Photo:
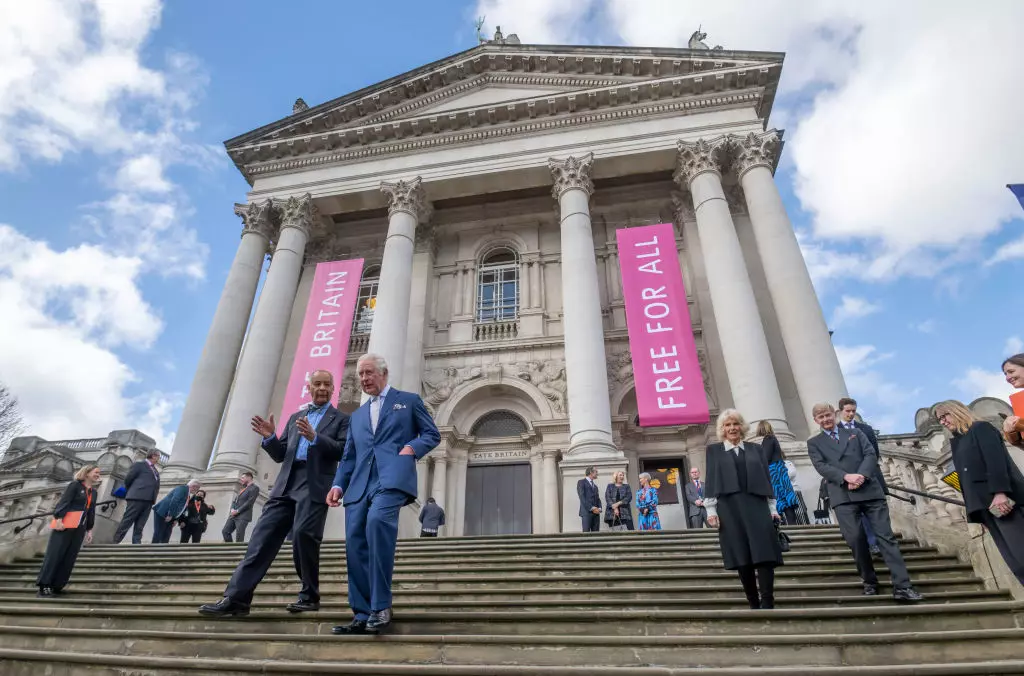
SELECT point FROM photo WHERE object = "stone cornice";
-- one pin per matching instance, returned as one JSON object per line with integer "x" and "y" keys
{"x": 407, "y": 196}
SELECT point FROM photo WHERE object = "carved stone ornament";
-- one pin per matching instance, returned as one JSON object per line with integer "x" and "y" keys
{"x": 572, "y": 173}
{"x": 682, "y": 209}
{"x": 439, "y": 384}
{"x": 620, "y": 369}
{"x": 702, "y": 359}
{"x": 297, "y": 212}
{"x": 548, "y": 377}
{"x": 327, "y": 248}
{"x": 426, "y": 241}
{"x": 257, "y": 217}
{"x": 349, "y": 390}
{"x": 299, "y": 106}
{"x": 698, "y": 157}
{"x": 407, "y": 196}
{"x": 755, "y": 150}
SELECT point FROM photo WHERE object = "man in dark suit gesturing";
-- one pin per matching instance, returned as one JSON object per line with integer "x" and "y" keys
{"x": 309, "y": 452}
{"x": 376, "y": 478}
{"x": 847, "y": 461}
{"x": 590, "y": 501}
{"x": 142, "y": 485}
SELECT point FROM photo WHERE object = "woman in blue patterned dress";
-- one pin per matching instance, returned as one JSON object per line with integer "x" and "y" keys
{"x": 647, "y": 504}
{"x": 785, "y": 497}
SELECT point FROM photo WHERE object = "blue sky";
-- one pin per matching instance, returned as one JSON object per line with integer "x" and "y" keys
{"x": 116, "y": 227}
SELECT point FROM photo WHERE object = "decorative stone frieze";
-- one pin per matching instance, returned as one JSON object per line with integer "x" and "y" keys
{"x": 426, "y": 239}
{"x": 439, "y": 384}
{"x": 700, "y": 156}
{"x": 407, "y": 196}
{"x": 257, "y": 217}
{"x": 572, "y": 173}
{"x": 297, "y": 212}
{"x": 682, "y": 210}
{"x": 548, "y": 376}
{"x": 755, "y": 150}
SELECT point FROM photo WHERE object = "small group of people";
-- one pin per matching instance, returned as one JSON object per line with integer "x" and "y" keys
{"x": 186, "y": 507}
{"x": 618, "y": 501}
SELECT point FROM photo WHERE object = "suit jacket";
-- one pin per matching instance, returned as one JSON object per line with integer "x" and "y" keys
{"x": 173, "y": 504}
{"x": 869, "y": 432}
{"x": 403, "y": 421}
{"x": 589, "y": 496}
{"x": 73, "y": 499}
{"x": 985, "y": 468}
{"x": 321, "y": 458}
{"x": 852, "y": 454}
{"x": 722, "y": 477}
{"x": 245, "y": 499}
{"x": 142, "y": 482}
{"x": 431, "y": 516}
{"x": 691, "y": 495}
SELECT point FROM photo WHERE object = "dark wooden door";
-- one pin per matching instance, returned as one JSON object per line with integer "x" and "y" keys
{"x": 498, "y": 500}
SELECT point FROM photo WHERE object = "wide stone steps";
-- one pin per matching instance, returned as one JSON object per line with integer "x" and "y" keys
{"x": 604, "y": 604}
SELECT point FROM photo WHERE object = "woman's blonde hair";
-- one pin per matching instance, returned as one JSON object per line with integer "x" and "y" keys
{"x": 764, "y": 429}
{"x": 961, "y": 415}
{"x": 84, "y": 472}
{"x": 616, "y": 474}
{"x": 727, "y": 415}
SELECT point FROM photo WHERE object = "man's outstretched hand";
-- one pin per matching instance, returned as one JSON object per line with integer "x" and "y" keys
{"x": 334, "y": 497}
{"x": 264, "y": 428}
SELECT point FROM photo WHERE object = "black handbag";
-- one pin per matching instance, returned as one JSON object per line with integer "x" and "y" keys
{"x": 785, "y": 542}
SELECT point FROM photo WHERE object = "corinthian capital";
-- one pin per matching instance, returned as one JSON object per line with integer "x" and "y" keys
{"x": 297, "y": 212}
{"x": 698, "y": 157}
{"x": 407, "y": 196}
{"x": 572, "y": 173}
{"x": 755, "y": 150}
{"x": 257, "y": 217}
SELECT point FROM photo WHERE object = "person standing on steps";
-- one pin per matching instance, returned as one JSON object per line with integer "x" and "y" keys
{"x": 142, "y": 485}
{"x": 241, "y": 509}
{"x": 170, "y": 509}
{"x": 308, "y": 451}
{"x": 590, "y": 501}
{"x": 694, "y": 491}
{"x": 193, "y": 521}
{"x": 741, "y": 506}
{"x": 847, "y": 461}
{"x": 431, "y": 519}
{"x": 785, "y": 497}
{"x": 376, "y": 478}
{"x": 647, "y": 504}
{"x": 66, "y": 540}
{"x": 617, "y": 499}
{"x": 848, "y": 418}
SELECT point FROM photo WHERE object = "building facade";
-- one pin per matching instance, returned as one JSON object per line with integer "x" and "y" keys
{"x": 483, "y": 192}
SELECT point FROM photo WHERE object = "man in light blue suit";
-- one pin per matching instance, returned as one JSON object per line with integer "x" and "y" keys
{"x": 376, "y": 478}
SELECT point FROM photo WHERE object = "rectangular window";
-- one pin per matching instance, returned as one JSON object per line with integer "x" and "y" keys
{"x": 365, "y": 305}
{"x": 498, "y": 293}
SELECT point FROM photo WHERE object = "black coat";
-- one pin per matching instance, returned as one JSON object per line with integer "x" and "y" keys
{"x": 985, "y": 468}
{"x": 321, "y": 459}
{"x": 142, "y": 482}
{"x": 195, "y": 514}
{"x": 73, "y": 500}
{"x": 589, "y": 496}
{"x": 722, "y": 477}
{"x": 613, "y": 494}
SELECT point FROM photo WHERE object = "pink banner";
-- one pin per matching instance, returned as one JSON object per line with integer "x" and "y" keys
{"x": 326, "y": 329}
{"x": 666, "y": 373}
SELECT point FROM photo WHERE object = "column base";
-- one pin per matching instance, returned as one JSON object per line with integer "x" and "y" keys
{"x": 572, "y": 470}
{"x": 179, "y": 473}
{"x": 594, "y": 449}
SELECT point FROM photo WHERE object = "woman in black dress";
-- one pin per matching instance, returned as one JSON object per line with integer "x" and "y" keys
{"x": 617, "y": 498}
{"x": 65, "y": 543}
{"x": 193, "y": 521}
{"x": 741, "y": 506}
{"x": 990, "y": 480}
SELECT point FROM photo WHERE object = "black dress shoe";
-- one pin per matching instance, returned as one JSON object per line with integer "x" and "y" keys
{"x": 303, "y": 606}
{"x": 45, "y": 593}
{"x": 907, "y": 595}
{"x": 352, "y": 628}
{"x": 767, "y": 602}
{"x": 379, "y": 621}
{"x": 225, "y": 608}
{"x": 870, "y": 589}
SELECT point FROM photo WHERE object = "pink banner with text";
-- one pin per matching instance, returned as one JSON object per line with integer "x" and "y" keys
{"x": 666, "y": 372}
{"x": 323, "y": 343}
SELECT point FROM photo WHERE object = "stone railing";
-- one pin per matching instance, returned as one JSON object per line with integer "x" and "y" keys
{"x": 486, "y": 331}
{"x": 82, "y": 444}
{"x": 358, "y": 344}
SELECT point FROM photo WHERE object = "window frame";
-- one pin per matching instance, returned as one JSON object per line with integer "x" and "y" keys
{"x": 498, "y": 308}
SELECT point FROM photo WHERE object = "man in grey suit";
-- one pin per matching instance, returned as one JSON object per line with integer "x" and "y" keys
{"x": 241, "y": 509}
{"x": 694, "y": 490}
{"x": 431, "y": 519}
{"x": 142, "y": 485}
{"x": 847, "y": 461}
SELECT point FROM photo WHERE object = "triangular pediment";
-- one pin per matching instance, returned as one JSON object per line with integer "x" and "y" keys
{"x": 505, "y": 85}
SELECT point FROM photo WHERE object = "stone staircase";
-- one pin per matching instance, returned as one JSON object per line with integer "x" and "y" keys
{"x": 611, "y": 603}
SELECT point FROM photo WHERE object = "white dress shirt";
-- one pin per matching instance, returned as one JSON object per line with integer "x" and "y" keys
{"x": 375, "y": 405}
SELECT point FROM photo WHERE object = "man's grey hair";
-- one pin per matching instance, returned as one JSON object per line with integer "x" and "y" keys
{"x": 312, "y": 374}
{"x": 645, "y": 475}
{"x": 379, "y": 362}
{"x": 193, "y": 482}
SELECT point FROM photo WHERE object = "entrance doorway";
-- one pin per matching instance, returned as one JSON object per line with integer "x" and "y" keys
{"x": 498, "y": 500}
{"x": 669, "y": 475}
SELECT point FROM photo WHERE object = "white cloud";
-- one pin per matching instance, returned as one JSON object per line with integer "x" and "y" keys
{"x": 927, "y": 326}
{"x": 1008, "y": 252}
{"x": 853, "y": 308}
{"x": 65, "y": 313}
{"x": 977, "y": 382}
{"x": 1014, "y": 345}
{"x": 879, "y": 398}
{"x": 143, "y": 173}
{"x": 536, "y": 22}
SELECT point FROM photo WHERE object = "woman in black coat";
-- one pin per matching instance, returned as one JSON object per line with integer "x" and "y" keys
{"x": 617, "y": 498}
{"x": 741, "y": 506}
{"x": 193, "y": 520}
{"x": 65, "y": 543}
{"x": 992, "y": 484}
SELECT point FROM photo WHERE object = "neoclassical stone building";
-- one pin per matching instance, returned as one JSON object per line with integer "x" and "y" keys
{"x": 484, "y": 191}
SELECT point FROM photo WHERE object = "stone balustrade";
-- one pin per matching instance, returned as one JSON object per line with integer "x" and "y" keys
{"x": 487, "y": 331}
{"x": 358, "y": 344}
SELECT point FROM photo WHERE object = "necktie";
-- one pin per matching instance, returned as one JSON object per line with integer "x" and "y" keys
{"x": 374, "y": 413}
{"x": 699, "y": 494}
{"x": 834, "y": 433}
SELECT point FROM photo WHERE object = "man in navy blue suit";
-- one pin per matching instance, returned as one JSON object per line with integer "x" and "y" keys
{"x": 376, "y": 478}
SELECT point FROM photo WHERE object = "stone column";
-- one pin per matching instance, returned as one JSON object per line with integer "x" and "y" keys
{"x": 550, "y": 490}
{"x": 456, "y": 292}
{"x": 590, "y": 421}
{"x": 535, "y": 281}
{"x": 538, "y": 503}
{"x": 524, "y": 285}
{"x": 422, "y": 476}
{"x": 204, "y": 408}
{"x": 457, "y": 517}
{"x": 748, "y": 363}
{"x": 468, "y": 295}
{"x": 440, "y": 483}
{"x": 801, "y": 321}
{"x": 391, "y": 316}
{"x": 422, "y": 276}
{"x": 257, "y": 368}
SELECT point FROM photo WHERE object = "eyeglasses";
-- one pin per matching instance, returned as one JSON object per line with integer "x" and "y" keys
{"x": 945, "y": 416}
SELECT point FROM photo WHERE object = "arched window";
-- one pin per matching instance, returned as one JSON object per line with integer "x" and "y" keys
{"x": 498, "y": 424}
{"x": 498, "y": 286}
{"x": 367, "y": 300}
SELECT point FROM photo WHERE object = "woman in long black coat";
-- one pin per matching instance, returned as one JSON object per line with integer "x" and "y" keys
{"x": 741, "y": 506}
{"x": 65, "y": 543}
{"x": 992, "y": 484}
{"x": 617, "y": 498}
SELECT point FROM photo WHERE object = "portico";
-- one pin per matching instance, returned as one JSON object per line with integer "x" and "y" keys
{"x": 483, "y": 192}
